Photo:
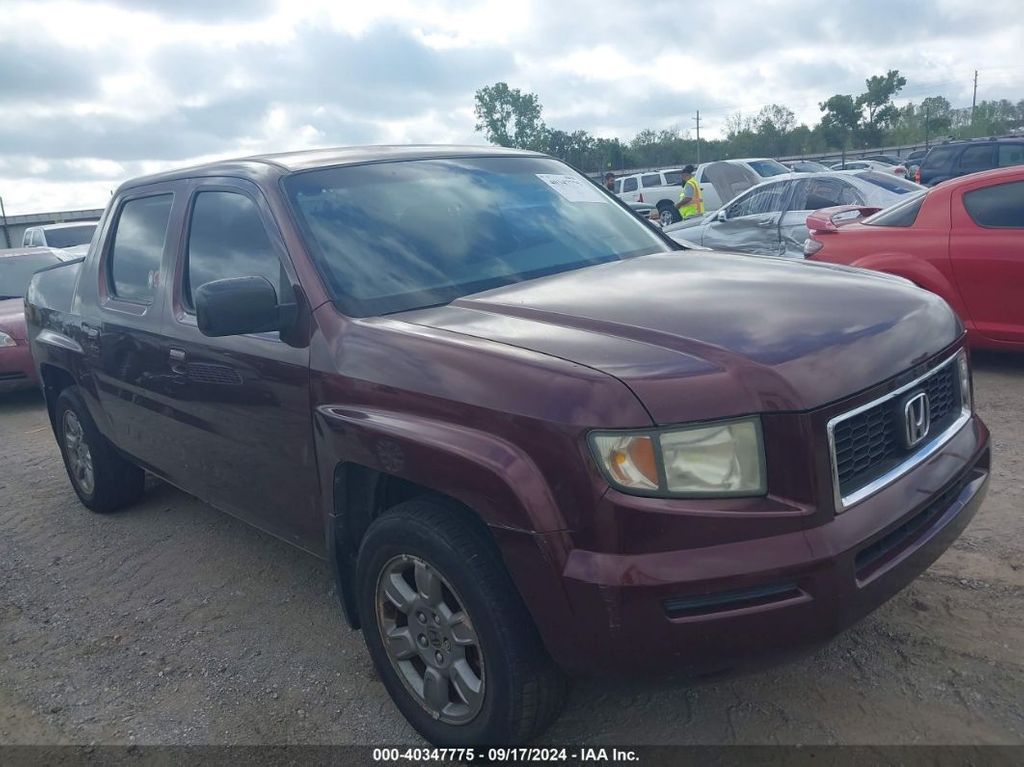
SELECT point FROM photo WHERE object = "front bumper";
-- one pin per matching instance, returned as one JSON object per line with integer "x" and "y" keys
{"x": 740, "y": 601}
{"x": 17, "y": 370}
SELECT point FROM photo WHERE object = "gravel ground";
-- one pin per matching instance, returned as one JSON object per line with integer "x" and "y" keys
{"x": 172, "y": 623}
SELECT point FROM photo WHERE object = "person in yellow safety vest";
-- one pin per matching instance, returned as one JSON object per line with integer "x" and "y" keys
{"x": 691, "y": 201}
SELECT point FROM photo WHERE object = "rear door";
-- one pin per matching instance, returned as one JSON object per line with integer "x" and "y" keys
{"x": 977, "y": 158}
{"x": 986, "y": 246}
{"x": 807, "y": 195}
{"x": 121, "y": 333}
{"x": 243, "y": 435}
{"x": 751, "y": 223}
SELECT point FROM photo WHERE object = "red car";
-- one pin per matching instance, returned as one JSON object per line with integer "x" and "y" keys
{"x": 962, "y": 239}
{"x": 16, "y": 269}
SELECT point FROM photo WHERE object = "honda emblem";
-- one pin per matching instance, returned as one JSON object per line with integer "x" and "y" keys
{"x": 917, "y": 419}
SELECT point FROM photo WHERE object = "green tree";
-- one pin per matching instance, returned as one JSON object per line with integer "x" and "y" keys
{"x": 878, "y": 97}
{"x": 509, "y": 117}
{"x": 840, "y": 120}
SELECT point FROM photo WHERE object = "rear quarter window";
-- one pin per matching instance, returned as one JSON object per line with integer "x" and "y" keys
{"x": 902, "y": 214}
{"x": 998, "y": 207}
{"x": 1010, "y": 154}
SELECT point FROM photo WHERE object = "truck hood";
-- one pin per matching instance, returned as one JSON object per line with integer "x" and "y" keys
{"x": 12, "y": 317}
{"x": 701, "y": 335}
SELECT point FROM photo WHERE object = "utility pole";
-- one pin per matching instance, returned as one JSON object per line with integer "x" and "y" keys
{"x": 974, "y": 99}
{"x": 3, "y": 215}
{"x": 697, "y": 120}
{"x": 927, "y": 115}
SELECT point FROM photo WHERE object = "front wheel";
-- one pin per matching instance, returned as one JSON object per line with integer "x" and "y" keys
{"x": 448, "y": 633}
{"x": 668, "y": 214}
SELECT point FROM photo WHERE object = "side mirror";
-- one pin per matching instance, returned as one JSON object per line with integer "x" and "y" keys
{"x": 238, "y": 305}
{"x": 720, "y": 215}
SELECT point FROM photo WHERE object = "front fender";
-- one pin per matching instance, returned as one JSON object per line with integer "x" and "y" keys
{"x": 488, "y": 474}
{"x": 484, "y": 472}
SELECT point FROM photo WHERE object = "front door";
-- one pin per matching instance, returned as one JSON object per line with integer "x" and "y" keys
{"x": 750, "y": 223}
{"x": 986, "y": 248}
{"x": 244, "y": 433}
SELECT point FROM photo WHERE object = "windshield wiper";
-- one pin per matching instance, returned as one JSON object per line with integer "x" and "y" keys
{"x": 4, "y": 298}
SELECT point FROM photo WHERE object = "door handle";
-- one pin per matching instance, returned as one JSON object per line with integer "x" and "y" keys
{"x": 177, "y": 358}
{"x": 766, "y": 222}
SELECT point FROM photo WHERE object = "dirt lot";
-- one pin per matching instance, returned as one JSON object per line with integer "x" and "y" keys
{"x": 174, "y": 623}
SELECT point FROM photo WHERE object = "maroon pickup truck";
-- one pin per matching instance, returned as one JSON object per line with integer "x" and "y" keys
{"x": 529, "y": 433}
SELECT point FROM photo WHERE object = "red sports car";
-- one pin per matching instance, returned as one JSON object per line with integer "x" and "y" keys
{"x": 962, "y": 239}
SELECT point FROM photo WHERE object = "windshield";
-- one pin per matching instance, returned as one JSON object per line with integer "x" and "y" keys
{"x": 389, "y": 237}
{"x": 69, "y": 236}
{"x": 766, "y": 168}
{"x": 17, "y": 271}
{"x": 889, "y": 182}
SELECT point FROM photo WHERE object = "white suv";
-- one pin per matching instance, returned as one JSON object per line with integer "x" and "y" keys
{"x": 718, "y": 181}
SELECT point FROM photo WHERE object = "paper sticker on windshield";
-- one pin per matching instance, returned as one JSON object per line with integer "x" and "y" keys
{"x": 573, "y": 189}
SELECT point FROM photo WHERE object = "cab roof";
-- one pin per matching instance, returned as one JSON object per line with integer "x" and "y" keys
{"x": 268, "y": 166}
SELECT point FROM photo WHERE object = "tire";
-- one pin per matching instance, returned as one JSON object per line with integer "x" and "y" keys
{"x": 109, "y": 482}
{"x": 668, "y": 213}
{"x": 517, "y": 690}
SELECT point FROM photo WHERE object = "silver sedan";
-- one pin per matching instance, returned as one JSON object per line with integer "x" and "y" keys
{"x": 771, "y": 218}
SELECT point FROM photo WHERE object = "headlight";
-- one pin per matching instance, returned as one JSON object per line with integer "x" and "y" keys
{"x": 966, "y": 399}
{"x": 6, "y": 340}
{"x": 715, "y": 459}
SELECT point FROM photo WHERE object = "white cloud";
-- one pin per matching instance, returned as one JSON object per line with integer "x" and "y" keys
{"x": 107, "y": 89}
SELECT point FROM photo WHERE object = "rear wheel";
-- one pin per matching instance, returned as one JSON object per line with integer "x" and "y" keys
{"x": 447, "y": 631}
{"x": 103, "y": 479}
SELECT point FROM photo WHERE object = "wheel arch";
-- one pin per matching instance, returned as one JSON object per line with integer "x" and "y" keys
{"x": 373, "y": 460}
{"x": 54, "y": 380}
{"x": 919, "y": 271}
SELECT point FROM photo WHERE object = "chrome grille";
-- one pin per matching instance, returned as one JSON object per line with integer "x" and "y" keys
{"x": 868, "y": 447}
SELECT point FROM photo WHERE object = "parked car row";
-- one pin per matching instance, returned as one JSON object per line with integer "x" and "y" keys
{"x": 719, "y": 182}
{"x": 771, "y": 218}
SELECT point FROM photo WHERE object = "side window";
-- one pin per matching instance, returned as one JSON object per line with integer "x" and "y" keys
{"x": 938, "y": 157}
{"x": 976, "y": 158}
{"x": 1010, "y": 154}
{"x": 674, "y": 178}
{"x": 999, "y": 206}
{"x": 651, "y": 179}
{"x": 817, "y": 193}
{"x": 227, "y": 239}
{"x": 618, "y": 186}
{"x": 629, "y": 184}
{"x": 767, "y": 199}
{"x": 138, "y": 247}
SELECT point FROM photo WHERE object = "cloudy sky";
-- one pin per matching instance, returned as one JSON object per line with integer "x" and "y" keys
{"x": 92, "y": 93}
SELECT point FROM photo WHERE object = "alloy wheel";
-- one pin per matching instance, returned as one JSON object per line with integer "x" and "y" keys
{"x": 77, "y": 450}
{"x": 430, "y": 639}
